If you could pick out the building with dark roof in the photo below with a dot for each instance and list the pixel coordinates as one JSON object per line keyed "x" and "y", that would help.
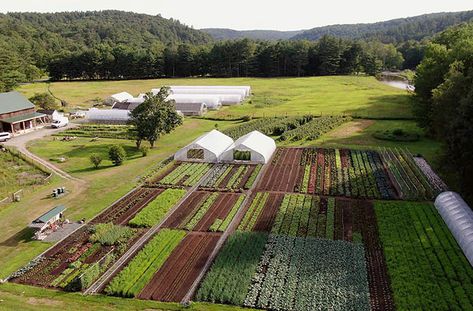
{"x": 18, "y": 114}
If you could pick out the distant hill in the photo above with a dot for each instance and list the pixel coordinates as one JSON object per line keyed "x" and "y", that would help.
{"x": 396, "y": 30}
{"x": 230, "y": 34}
{"x": 69, "y": 31}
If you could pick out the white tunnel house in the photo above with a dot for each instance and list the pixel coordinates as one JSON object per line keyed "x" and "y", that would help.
{"x": 107, "y": 115}
{"x": 207, "y": 148}
{"x": 245, "y": 88}
{"x": 459, "y": 218}
{"x": 252, "y": 147}
{"x": 211, "y": 102}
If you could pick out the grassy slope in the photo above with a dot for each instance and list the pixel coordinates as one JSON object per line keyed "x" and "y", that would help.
{"x": 360, "y": 96}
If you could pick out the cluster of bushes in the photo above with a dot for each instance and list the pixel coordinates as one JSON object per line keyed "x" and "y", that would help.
{"x": 110, "y": 234}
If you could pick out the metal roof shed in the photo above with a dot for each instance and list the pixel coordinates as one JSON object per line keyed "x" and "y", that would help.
{"x": 459, "y": 218}
{"x": 47, "y": 218}
{"x": 260, "y": 147}
{"x": 207, "y": 148}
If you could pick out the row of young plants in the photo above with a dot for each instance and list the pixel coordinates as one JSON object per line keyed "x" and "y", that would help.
{"x": 220, "y": 225}
{"x": 272, "y": 126}
{"x": 229, "y": 177}
{"x": 186, "y": 174}
{"x": 314, "y": 128}
{"x": 437, "y": 183}
{"x": 427, "y": 268}
{"x": 388, "y": 174}
{"x": 254, "y": 211}
{"x": 305, "y": 216}
{"x": 155, "y": 211}
{"x": 230, "y": 276}
{"x": 200, "y": 213}
{"x": 139, "y": 272}
{"x": 297, "y": 273}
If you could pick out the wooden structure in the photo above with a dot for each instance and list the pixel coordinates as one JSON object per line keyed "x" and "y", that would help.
{"x": 18, "y": 114}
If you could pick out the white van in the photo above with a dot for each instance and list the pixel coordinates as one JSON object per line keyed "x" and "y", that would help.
{"x": 4, "y": 136}
{"x": 60, "y": 122}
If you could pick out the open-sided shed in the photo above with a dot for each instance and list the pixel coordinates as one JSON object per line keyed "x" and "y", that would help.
{"x": 459, "y": 218}
{"x": 207, "y": 148}
{"x": 252, "y": 147}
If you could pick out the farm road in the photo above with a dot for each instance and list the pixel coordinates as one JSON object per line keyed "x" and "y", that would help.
{"x": 20, "y": 142}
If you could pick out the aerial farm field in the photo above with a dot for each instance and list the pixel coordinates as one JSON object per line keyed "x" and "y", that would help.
{"x": 331, "y": 222}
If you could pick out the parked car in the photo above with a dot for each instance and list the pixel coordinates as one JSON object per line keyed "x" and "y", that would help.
{"x": 4, "y": 136}
{"x": 61, "y": 122}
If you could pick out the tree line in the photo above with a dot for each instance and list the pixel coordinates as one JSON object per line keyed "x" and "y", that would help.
{"x": 235, "y": 58}
{"x": 444, "y": 101}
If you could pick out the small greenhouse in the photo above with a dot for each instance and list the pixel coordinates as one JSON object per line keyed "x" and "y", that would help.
{"x": 207, "y": 148}
{"x": 108, "y": 116}
{"x": 117, "y": 98}
{"x": 253, "y": 147}
{"x": 459, "y": 218}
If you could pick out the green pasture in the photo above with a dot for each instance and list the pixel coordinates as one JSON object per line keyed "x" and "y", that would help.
{"x": 353, "y": 95}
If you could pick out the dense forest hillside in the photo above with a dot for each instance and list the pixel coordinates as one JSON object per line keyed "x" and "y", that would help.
{"x": 393, "y": 31}
{"x": 230, "y": 34}
{"x": 49, "y": 33}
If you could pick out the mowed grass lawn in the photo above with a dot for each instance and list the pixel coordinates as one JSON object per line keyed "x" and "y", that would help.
{"x": 101, "y": 188}
{"x": 354, "y": 95}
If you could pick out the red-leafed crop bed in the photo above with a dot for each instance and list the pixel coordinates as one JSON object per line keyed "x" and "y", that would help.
{"x": 284, "y": 172}
{"x": 176, "y": 276}
{"x": 126, "y": 208}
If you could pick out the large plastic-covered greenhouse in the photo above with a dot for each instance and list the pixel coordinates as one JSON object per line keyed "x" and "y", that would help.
{"x": 107, "y": 116}
{"x": 246, "y": 88}
{"x": 211, "y": 102}
{"x": 219, "y": 91}
{"x": 459, "y": 218}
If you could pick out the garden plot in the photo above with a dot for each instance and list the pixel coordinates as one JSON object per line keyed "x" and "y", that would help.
{"x": 184, "y": 174}
{"x": 76, "y": 262}
{"x": 310, "y": 274}
{"x": 324, "y": 218}
{"x": 236, "y": 177}
{"x": 427, "y": 267}
{"x": 121, "y": 212}
{"x": 387, "y": 174}
{"x": 176, "y": 276}
{"x": 206, "y": 211}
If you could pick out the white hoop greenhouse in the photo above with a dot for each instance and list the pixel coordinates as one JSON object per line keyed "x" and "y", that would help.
{"x": 258, "y": 146}
{"x": 207, "y": 148}
{"x": 112, "y": 116}
{"x": 459, "y": 218}
{"x": 247, "y": 89}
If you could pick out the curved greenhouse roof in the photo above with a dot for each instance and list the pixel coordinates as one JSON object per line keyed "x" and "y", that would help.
{"x": 212, "y": 144}
{"x": 260, "y": 146}
{"x": 459, "y": 218}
